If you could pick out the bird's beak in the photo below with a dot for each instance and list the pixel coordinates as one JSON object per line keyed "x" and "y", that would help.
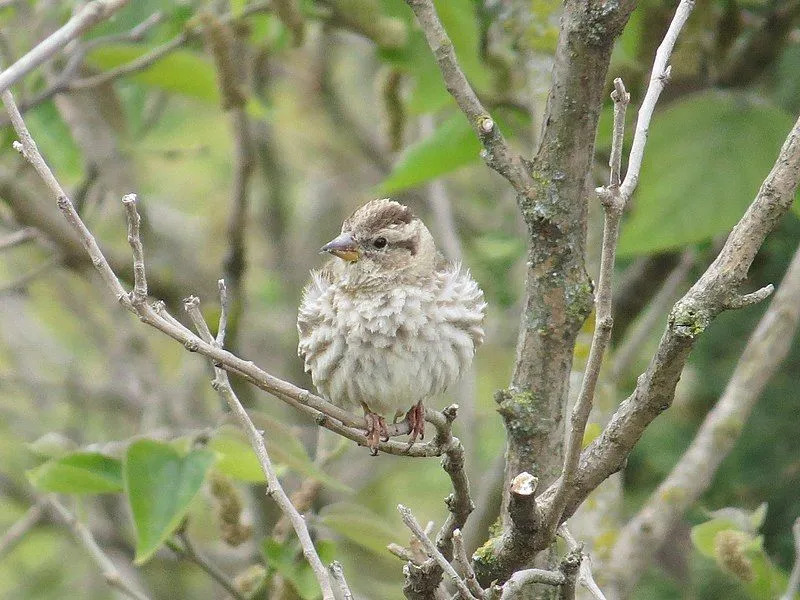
{"x": 344, "y": 247}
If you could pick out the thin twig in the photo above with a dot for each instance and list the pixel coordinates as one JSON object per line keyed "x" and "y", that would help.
{"x": 433, "y": 552}
{"x": 16, "y": 238}
{"x": 585, "y": 577}
{"x": 497, "y": 153}
{"x": 90, "y": 15}
{"x": 464, "y": 563}
{"x": 515, "y": 586}
{"x": 85, "y": 538}
{"x": 615, "y": 198}
{"x": 189, "y": 552}
{"x": 613, "y": 206}
{"x": 274, "y": 488}
{"x": 19, "y": 529}
{"x": 338, "y": 575}
{"x": 658, "y": 79}
{"x": 794, "y": 579}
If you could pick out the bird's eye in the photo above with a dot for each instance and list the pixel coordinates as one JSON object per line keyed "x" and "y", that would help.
{"x": 379, "y": 242}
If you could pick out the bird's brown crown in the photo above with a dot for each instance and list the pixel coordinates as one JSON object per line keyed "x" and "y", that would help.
{"x": 378, "y": 214}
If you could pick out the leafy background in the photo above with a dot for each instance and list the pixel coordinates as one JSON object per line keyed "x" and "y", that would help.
{"x": 123, "y": 422}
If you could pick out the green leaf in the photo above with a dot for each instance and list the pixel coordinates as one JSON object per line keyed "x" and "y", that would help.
{"x": 359, "y": 525}
{"x": 590, "y": 433}
{"x": 79, "y": 473}
{"x": 452, "y": 145}
{"x": 285, "y": 447}
{"x": 160, "y": 484}
{"x": 285, "y": 558}
{"x": 182, "y": 71}
{"x": 236, "y": 458}
{"x": 705, "y": 159}
{"x": 757, "y": 516}
{"x": 703, "y": 535}
{"x": 52, "y": 445}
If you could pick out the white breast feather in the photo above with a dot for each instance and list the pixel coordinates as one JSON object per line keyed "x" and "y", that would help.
{"x": 389, "y": 349}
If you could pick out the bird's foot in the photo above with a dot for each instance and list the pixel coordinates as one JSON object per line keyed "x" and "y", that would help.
{"x": 376, "y": 430}
{"x": 416, "y": 423}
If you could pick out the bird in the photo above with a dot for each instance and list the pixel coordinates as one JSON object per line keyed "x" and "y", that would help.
{"x": 387, "y": 323}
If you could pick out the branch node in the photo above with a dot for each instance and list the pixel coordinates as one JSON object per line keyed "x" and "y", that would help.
{"x": 740, "y": 301}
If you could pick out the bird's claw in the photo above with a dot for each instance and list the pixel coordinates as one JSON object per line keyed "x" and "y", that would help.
{"x": 416, "y": 423}
{"x": 376, "y": 431}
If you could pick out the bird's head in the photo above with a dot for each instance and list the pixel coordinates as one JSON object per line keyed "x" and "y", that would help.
{"x": 384, "y": 238}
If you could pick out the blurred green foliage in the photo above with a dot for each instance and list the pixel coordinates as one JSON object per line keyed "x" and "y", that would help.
{"x": 62, "y": 346}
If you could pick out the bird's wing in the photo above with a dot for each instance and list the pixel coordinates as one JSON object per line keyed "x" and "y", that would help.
{"x": 461, "y": 301}
{"x": 309, "y": 314}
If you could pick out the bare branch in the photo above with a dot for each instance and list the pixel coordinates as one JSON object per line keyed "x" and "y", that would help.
{"x": 18, "y": 530}
{"x": 585, "y": 577}
{"x": 139, "y": 277}
{"x": 463, "y": 562}
{"x": 85, "y": 538}
{"x": 766, "y": 349}
{"x": 613, "y": 205}
{"x": 689, "y": 317}
{"x": 658, "y": 79}
{"x": 515, "y": 586}
{"x": 274, "y": 488}
{"x": 433, "y": 552}
{"x": 338, "y": 575}
{"x": 459, "y": 503}
{"x": 794, "y": 578}
{"x": 497, "y": 153}
{"x": 28, "y": 148}
{"x": 189, "y": 552}
{"x": 92, "y": 13}
{"x": 16, "y": 238}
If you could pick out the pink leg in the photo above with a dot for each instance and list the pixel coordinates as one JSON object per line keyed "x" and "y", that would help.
{"x": 416, "y": 422}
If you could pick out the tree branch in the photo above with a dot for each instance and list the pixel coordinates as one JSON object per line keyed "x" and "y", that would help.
{"x": 766, "y": 349}
{"x": 90, "y": 15}
{"x": 189, "y": 552}
{"x": 338, "y": 575}
{"x": 717, "y": 290}
{"x": 274, "y": 488}
{"x": 85, "y": 538}
{"x": 434, "y": 553}
{"x": 18, "y": 530}
{"x": 497, "y": 153}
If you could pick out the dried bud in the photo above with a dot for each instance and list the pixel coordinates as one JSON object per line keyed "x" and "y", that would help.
{"x": 229, "y": 511}
{"x": 729, "y": 548}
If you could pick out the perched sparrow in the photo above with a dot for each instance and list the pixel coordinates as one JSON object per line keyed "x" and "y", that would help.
{"x": 388, "y": 323}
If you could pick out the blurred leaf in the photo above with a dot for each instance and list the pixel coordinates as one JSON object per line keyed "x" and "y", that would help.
{"x": 757, "y": 516}
{"x": 590, "y": 433}
{"x": 459, "y": 19}
{"x": 160, "y": 484}
{"x": 703, "y": 535}
{"x": 79, "y": 473}
{"x": 182, "y": 71}
{"x": 236, "y": 458}
{"x": 452, "y": 145}
{"x": 287, "y": 560}
{"x": 359, "y": 525}
{"x": 285, "y": 447}
{"x": 705, "y": 159}
{"x": 52, "y": 445}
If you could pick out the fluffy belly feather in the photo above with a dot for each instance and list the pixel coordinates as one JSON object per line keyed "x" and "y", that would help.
{"x": 390, "y": 375}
